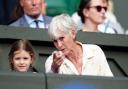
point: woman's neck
(90, 27)
(75, 55)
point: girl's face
(21, 61)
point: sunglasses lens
(105, 8)
(99, 8)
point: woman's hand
(57, 61)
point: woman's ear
(85, 12)
(73, 33)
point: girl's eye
(18, 58)
(25, 58)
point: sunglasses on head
(99, 8)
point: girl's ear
(11, 61)
(32, 61)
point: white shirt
(32, 24)
(94, 63)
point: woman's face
(21, 61)
(63, 42)
(96, 11)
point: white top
(94, 63)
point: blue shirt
(31, 22)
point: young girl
(22, 56)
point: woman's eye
(61, 38)
(55, 41)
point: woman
(72, 56)
(22, 56)
(92, 13)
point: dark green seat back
(11, 80)
(85, 82)
(56, 7)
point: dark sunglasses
(99, 8)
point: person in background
(111, 24)
(126, 32)
(2, 14)
(22, 56)
(92, 13)
(29, 13)
(73, 57)
(44, 6)
(108, 25)
(6, 6)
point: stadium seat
(115, 50)
(61, 6)
(85, 82)
(13, 80)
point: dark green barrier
(11, 80)
(85, 82)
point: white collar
(87, 52)
(30, 20)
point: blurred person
(126, 32)
(6, 6)
(2, 10)
(109, 23)
(31, 13)
(22, 57)
(92, 13)
(44, 5)
(73, 57)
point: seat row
(114, 46)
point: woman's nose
(59, 43)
